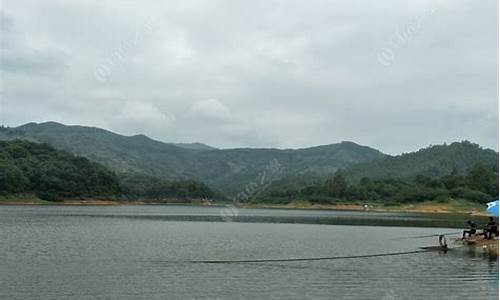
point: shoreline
(423, 208)
(452, 207)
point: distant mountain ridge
(229, 170)
(433, 161)
(247, 170)
(194, 146)
(460, 170)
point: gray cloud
(259, 73)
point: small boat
(443, 246)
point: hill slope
(395, 173)
(27, 167)
(433, 161)
(459, 171)
(230, 170)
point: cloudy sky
(394, 75)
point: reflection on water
(130, 253)
(215, 214)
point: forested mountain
(228, 170)
(27, 167)
(151, 169)
(383, 177)
(433, 161)
(195, 146)
(477, 184)
(119, 153)
(32, 168)
(456, 171)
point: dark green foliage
(482, 179)
(49, 196)
(137, 186)
(336, 187)
(434, 161)
(51, 174)
(12, 179)
(229, 170)
(54, 175)
(478, 184)
(473, 195)
(434, 173)
(438, 173)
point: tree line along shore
(37, 173)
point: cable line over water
(301, 259)
(425, 236)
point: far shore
(454, 206)
(424, 207)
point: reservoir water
(147, 252)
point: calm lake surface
(141, 252)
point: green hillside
(437, 173)
(228, 170)
(257, 172)
(433, 161)
(479, 184)
(38, 169)
(27, 167)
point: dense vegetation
(228, 170)
(141, 168)
(433, 161)
(478, 184)
(142, 187)
(50, 174)
(27, 167)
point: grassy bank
(21, 199)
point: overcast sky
(394, 75)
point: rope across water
(303, 259)
(430, 235)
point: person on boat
(472, 229)
(491, 228)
